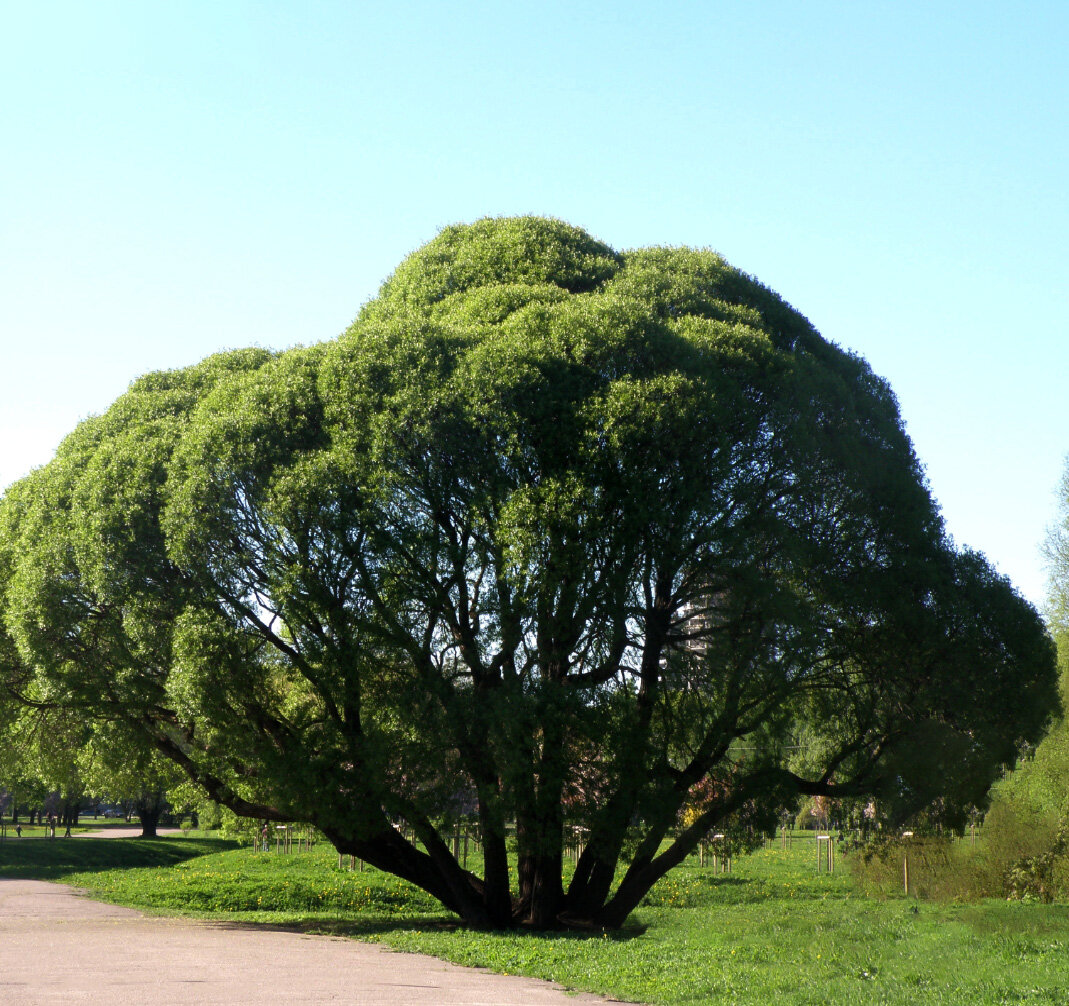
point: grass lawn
(772, 931)
(35, 857)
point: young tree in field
(573, 533)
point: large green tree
(572, 537)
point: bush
(940, 868)
(1025, 831)
(1042, 876)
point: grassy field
(771, 931)
(35, 857)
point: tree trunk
(149, 819)
(496, 895)
(542, 891)
(461, 892)
(596, 869)
(540, 840)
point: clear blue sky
(181, 178)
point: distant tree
(39, 743)
(56, 753)
(122, 766)
(571, 530)
(1057, 555)
(1039, 788)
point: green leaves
(524, 250)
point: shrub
(940, 867)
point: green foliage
(119, 764)
(1045, 875)
(1025, 829)
(525, 252)
(940, 867)
(553, 537)
(1021, 851)
(1038, 784)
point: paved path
(134, 831)
(59, 947)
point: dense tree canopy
(564, 537)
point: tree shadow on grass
(54, 859)
(377, 926)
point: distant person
(67, 833)
(18, 831)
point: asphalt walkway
(59, 947)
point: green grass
(773, 930)
(61, 859)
